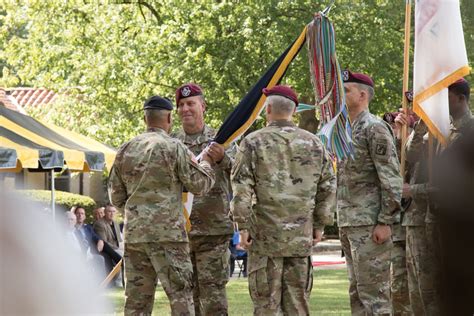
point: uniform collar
(281, 123)
(202, 137)
(155, 129)
(462, 121)
(361, 115)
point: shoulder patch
(381, 149)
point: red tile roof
(10, 102)
(32, 96)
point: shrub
(64, 200)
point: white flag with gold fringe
(440, 60)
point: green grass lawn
(329, 296)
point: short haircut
(76, 208)
(461, 89)
(280, 104)
(370, 91)
(156, 114)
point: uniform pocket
(180, 269)
(258, 278)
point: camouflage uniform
(398, 268)
(211, 231)
(284, 188)
(146, 183)
(369, 192)
(420, 258)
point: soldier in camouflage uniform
(462, 120)
(420, 259)
(398, 269)
(368, 194)
(284, 194)
(146, 183)
(420, 220)
(211, 226)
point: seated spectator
(237, 253)
(109, 231)
(95, 243)
(98, 213)
(79, 244)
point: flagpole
(406, 74)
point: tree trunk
(308, 121)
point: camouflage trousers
(210, 257)
(399, 280)
(168, 262)
(421, 271)
(368, 266)
(280, 285)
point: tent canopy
(28, 143)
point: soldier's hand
(245, 239)
(205, 156)
(401, 120)
(100, 245)
(317, 236)
(216, 151)
(381, 233)
(406, 191)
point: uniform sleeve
(117, 190)
(384, 156)
(326, 196)
(226, 163)
(415, 146)
(198, 178)
(243, 186)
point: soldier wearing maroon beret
(211, 227)
(369, 194)
(461, 117)
(284, 194)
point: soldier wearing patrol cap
(369, 193)
(146, 183)
(289, 174)
(211, 226)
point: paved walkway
(327, 255)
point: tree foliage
(107, 59)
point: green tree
(107, 58)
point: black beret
(158, 103)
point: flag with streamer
(440, 60)
(248, 109)
(326, 78)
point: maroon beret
(187, 90)
(348, 76)
(284, 91)
(460, 86)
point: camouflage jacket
(460, 127)
(417, 176)
(369, 186)
(146, 183)
(210, 214)
(284, 188)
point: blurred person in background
(40, 274)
